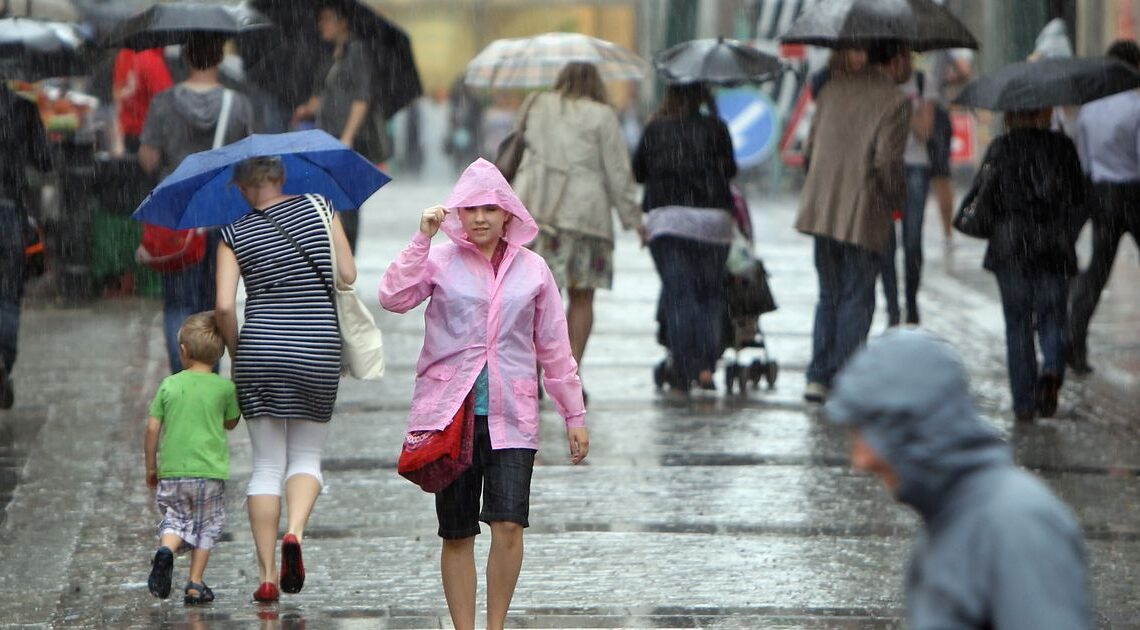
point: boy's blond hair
(201, 338)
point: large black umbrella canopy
(1028, 86)
(173, 23)
(31, 49)
(718, 61)
(286, 60)
(851, 23)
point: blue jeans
(185, 292)
(917, 187)
(11, 279)
(693, 303)
(1030, 299)
(846, 304)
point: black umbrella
(851, 23)
(718, 61)
(33, 49)
(284, 60)
(1028, 86)
(173, 23)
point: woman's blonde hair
(202, 339)
(259, 170)
(580, 79)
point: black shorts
(503, 479)
(939, 145)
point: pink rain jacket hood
(507, 322)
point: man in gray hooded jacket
(997, 548)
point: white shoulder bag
(362, 346)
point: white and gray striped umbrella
(530, 62)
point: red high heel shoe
(266, 593)
(292, 566)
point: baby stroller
(748, 296)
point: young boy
(192, 410)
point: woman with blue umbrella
(287, 354)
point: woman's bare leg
(457, 566)
(580, 321)
(301, 491)
(503, 566)
(264, 514)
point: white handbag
(362, 346)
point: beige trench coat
(576, 168)
(856, 179)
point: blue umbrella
(199, 193)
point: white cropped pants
(283, 448)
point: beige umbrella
(530, 62)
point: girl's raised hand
(431, 220)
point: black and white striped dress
(288, 357)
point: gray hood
(200, 109)
(908, 394)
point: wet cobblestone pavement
(722, 511)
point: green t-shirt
(193, 408)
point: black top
(23, 141)
(685, 162)
(1039, 185)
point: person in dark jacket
(997, 549)
(1029, 181)
(685, 160)
(22, 136)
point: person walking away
(287, 355)
(182, 120)
(24, 142)
(574, 171)
(493, 311)
(854, 182)
(1110, 152)
(342, 98)
(139, 76)
(686, 162)
(464, 124)
(949, 71)
(997, 549)
(188, 458)
(916, 160)
(1029, 181)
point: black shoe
(1078, 361)
(1047, 389)
(161, 570)
(204, 596)
(1024, 416)
(912, 316)
(7, 397)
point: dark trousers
(692, 302)
(913, 212)
(1115, 210)
(846, 304)
(11, 279)
(1032, 300)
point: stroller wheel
(756, 372)
(771, 373)
(660, 374)
(729, 377)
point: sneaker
(7, 397)
(1047, 389)
(815, 393)
(292, 566)
(161, 570)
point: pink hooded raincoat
(508, 322)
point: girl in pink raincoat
(494, 312)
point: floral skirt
(576, 260)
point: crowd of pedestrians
(497, 325)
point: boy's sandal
(204, 596)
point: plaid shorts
(193, 509)
(502, 477)
(577, 261)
